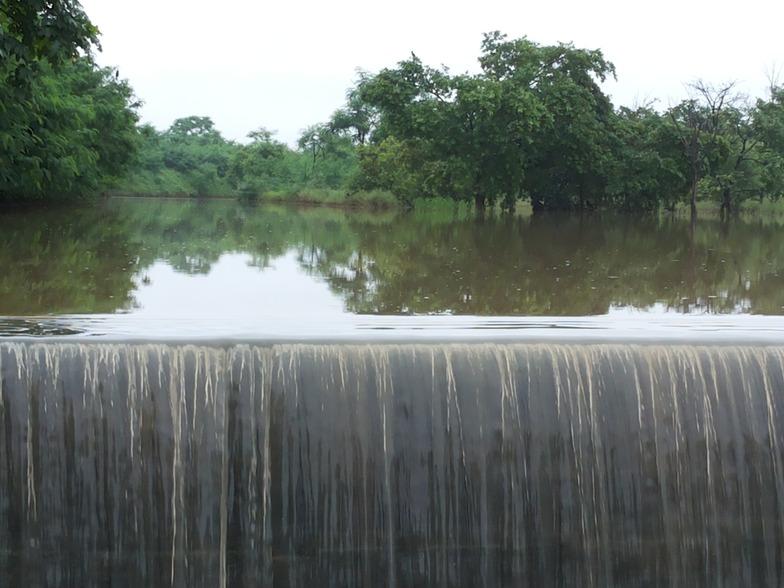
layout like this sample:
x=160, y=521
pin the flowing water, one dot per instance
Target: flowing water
x=398, y=465
x=201, y=394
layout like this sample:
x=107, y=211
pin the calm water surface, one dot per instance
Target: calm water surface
x=151, y=268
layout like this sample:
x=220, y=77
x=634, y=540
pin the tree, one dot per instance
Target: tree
x=534, y=121
x=648, y=168
x=404, y=168
x=715, y=129
x=450, y=124
x=768, y=126
x=258, y=166
x=331, y=155
x=194, y=147
x=31, y=31
x=67, y=127
x=74, y=136
x=195, y=130
x=570, y=144
x=357, y=119
x=690, y=122
x=313, y=142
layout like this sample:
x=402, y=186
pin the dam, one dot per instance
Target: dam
x=472, y=463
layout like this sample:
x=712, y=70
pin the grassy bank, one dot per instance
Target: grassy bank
x=751, y=208
x=173, y=185
x=374, y=200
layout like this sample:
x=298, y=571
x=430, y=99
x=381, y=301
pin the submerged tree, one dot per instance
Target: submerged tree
x=768, y=125
x=648, y=168
x=722, y=144
x=569, y=148
x=533, y=123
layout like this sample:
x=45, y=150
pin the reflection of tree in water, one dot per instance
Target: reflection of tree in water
x=560, y=265
x=499, y=265
x=355, y=282
x=191, y=236
x=91, y=260
x=65, y=261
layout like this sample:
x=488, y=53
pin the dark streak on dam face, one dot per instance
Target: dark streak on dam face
x=381, y=465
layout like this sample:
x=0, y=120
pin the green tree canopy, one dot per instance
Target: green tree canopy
x=533, y=122
x=73, y=137
x=67, y=126
x=33, y=30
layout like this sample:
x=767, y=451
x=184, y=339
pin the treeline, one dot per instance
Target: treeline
x=533, y=125
x=192, y=158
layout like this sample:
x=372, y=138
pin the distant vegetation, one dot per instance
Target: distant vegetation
x=532, y=126
x=192, y=158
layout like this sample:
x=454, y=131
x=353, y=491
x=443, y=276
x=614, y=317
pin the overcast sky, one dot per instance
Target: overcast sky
x=286, y=65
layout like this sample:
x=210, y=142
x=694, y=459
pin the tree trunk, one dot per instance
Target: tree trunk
x=726, y=202
x=694, y=194
x=479, y=202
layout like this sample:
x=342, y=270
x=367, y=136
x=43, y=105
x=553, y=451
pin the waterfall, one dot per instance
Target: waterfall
x=456, y=464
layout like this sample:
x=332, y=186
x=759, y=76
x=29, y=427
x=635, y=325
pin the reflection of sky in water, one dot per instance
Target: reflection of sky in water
x=284, y=301
x=235, y=289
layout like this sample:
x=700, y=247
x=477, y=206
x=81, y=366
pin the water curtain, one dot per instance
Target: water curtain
x=474, y=464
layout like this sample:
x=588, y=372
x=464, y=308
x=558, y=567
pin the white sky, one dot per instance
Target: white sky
x=287, y=64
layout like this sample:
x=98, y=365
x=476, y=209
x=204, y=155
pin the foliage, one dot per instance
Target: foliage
x=33, y=31
x=533, y=122
x=67, y=127
x=264, y=164
x=75, y=134
x=564, y=165
x=768, y=126
x=330, y=154
x=724, y=140
x=192, y=158
x=649, y=169
x=356, y=120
